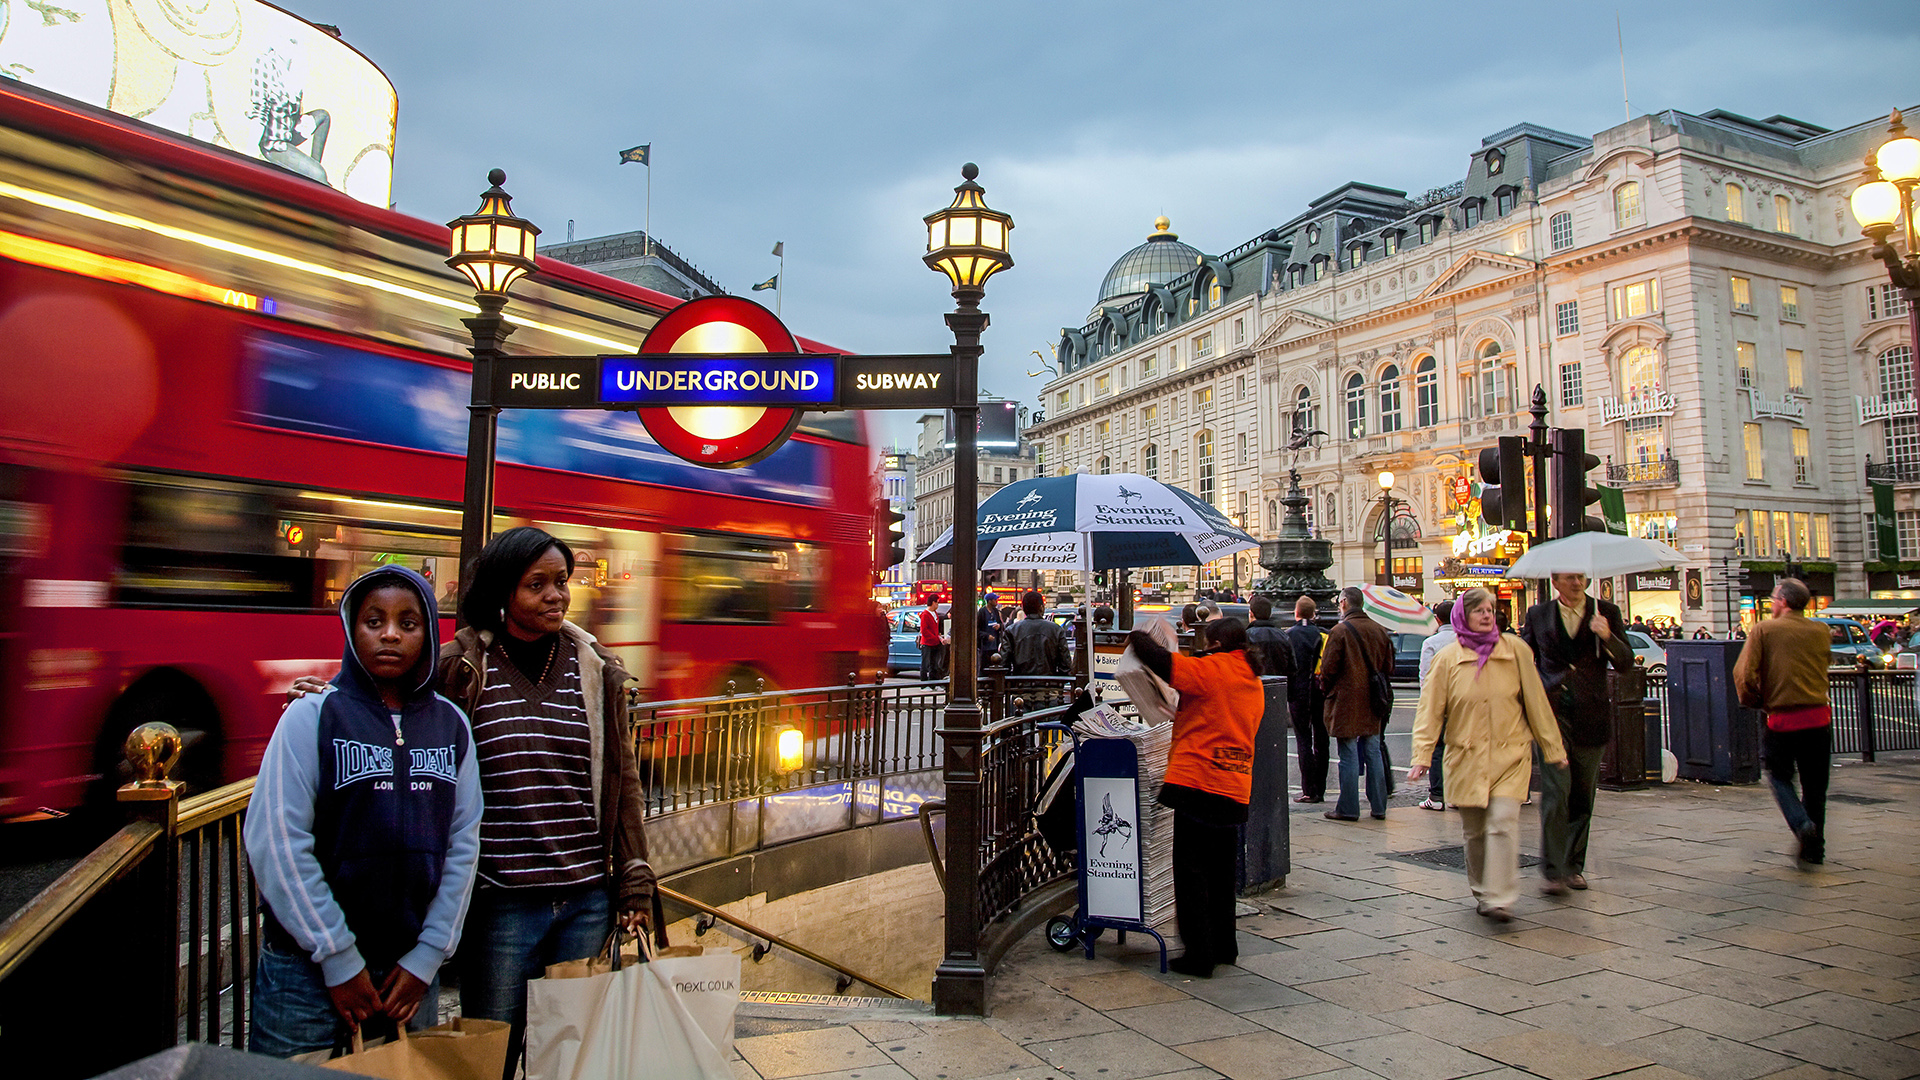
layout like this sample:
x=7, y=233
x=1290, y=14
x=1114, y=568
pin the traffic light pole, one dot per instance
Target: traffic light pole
x=1541, y=454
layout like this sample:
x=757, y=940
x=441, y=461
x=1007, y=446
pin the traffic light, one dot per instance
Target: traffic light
x=1503, y=484
x=896, y=536
x=1571, y=494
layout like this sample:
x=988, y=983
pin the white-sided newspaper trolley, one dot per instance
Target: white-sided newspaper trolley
x=1126, y=844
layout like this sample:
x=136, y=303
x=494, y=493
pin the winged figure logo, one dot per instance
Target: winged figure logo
x=1111, y=824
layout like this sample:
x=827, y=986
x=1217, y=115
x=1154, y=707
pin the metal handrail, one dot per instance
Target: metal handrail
x=30, y=927
x=204, y=809
x=776, y=940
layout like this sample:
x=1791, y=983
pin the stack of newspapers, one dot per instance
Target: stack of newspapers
x=1151, y=743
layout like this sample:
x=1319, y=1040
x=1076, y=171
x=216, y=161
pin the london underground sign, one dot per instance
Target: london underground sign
x=721, y=382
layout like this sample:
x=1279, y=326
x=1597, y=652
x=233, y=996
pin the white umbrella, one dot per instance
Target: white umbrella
x=1095, y=551
x=1595, y=554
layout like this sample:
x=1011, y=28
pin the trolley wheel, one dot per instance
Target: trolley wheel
x=1063, y=933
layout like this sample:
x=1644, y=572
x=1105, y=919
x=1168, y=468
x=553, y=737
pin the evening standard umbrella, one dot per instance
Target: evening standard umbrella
x=1396, y=611
x=1111, y=521
x=1096, y=551
x=1595, y=554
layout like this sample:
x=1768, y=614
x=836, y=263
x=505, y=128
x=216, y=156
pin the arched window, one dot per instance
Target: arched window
x=1150, y=462
x=1489, y=387
x=1390, y=398
x=1736, y=203
x=1203, y=465
x=1560, y=231
x=1782, y=214
x=1426, y=392
x=1214, y=292
x=1640, y=377
x=1470, y=212
x=1356, y=406
x=1103, y=466
x=1896, y=385
x=1626, y=204
x=1304, y=418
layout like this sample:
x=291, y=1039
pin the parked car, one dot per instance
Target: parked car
x=903, y=641
x=1653, y=655
x=1406, y=655
x=1850, y=644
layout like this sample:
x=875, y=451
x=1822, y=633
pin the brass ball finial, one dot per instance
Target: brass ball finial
x=153, y=750
x=1161, y=224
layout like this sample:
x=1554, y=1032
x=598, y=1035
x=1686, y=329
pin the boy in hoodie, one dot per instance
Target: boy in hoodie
x=364, y=832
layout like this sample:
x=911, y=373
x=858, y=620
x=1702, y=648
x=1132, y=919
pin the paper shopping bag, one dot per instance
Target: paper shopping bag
x=707, y=981
x=625, y=1023
x=463, y=1049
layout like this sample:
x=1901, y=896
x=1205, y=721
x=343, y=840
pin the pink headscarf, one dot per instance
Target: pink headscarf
x=1481, y=643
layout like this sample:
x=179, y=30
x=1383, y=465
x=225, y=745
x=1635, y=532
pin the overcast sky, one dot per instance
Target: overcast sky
x=835, y=127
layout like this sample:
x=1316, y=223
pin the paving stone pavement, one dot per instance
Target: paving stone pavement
x=1701, y=951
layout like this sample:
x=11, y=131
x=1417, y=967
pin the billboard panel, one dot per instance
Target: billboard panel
x=999, y=425
x=239, y=74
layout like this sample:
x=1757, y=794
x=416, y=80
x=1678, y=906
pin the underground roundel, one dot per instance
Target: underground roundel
x=719, y=436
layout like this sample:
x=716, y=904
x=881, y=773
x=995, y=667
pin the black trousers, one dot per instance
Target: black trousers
x=1810, y=752
x=1310, y=745
x=1204, y=858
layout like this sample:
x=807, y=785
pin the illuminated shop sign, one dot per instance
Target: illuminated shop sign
x=238, y=74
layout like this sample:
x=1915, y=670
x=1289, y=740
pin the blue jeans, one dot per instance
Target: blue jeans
x=294, y=1014
x=512, y=935
x=1351, y=753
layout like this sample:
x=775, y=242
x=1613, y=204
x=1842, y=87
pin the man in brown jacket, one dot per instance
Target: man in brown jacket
x=1356, y=648
x=1783, y=669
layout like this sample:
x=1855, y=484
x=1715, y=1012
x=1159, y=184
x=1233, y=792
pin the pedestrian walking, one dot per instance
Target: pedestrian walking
x=363, y=834
x=987, y=634
x=1574, y=637
x=933, y=647
x=1356, y=659
x=1208, y=784
x=1486, y=699
x=1783, y=669
x=1306, y=702
x=1036, y=644
x=1436, y=777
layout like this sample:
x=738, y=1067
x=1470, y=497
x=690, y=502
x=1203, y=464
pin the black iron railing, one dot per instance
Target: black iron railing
x=1899, y=472
x=1014, y=859
x=1872, y=710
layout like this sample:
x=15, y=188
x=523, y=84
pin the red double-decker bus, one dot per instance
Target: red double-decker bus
x=227, y=391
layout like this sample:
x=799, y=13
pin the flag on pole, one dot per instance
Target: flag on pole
x=780, y=249
x=638, y=153
x=771, y=283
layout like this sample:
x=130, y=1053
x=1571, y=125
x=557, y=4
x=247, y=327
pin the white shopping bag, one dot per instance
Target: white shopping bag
x=707, y=981
x=618, y=1024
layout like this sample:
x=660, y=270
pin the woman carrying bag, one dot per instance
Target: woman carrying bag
x=1485, y=694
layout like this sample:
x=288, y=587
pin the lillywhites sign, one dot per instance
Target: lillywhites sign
x=1760, y=406
x=1661, y=581
x=1651, y=403
x=1872, y=409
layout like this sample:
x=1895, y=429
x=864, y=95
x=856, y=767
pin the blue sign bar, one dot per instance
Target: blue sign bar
x=664, y=379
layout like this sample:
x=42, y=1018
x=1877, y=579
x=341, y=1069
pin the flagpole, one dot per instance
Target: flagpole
x=780, y=290
x=649, y=201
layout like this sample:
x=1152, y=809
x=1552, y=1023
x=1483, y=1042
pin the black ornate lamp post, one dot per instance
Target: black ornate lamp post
x=1886, y=200
x=1385, y=576
x=493, y=249
x=967, y=242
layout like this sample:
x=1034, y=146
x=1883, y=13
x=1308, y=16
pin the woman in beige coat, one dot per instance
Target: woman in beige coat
x=1485, y=694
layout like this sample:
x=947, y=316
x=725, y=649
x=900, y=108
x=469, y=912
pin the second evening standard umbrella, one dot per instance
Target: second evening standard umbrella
x=1595, y=554
x=1395, y=610
x=1096, y=551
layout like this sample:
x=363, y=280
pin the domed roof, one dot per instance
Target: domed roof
x=1161, y=259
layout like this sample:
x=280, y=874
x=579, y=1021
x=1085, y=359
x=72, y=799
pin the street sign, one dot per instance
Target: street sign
x=897, y=382
x=546, y=382
x=648, y=381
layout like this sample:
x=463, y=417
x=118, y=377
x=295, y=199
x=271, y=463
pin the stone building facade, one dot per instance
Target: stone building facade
x=1690, y=290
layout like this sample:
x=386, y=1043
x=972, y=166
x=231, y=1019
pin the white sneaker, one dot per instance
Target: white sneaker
x=1431, y=804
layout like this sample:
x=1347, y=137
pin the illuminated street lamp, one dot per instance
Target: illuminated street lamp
x=493, y=249
x=967, y=242
x=1385, y=575
x=1885, y=201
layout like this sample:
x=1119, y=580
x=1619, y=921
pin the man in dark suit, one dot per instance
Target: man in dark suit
x=1574, y=637
x=1306, y=706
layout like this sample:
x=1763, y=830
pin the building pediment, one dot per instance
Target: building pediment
x=1475, y=269
x=1295, y=323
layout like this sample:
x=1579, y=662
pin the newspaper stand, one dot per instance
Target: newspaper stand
x=1112, y=868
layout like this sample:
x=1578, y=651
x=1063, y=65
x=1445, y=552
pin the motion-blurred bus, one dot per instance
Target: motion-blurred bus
x=227, y=390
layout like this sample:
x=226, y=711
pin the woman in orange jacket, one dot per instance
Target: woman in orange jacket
x=1208, y=783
